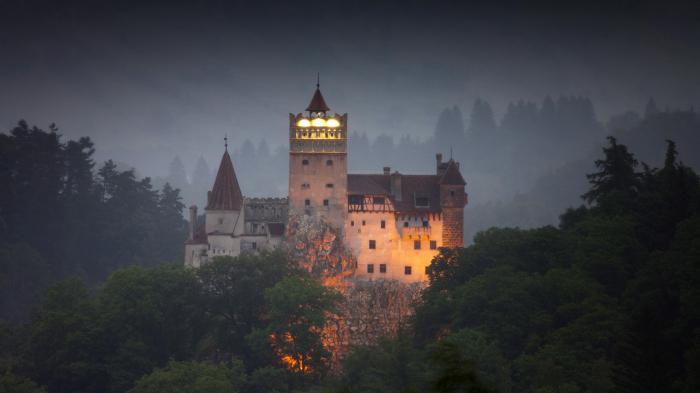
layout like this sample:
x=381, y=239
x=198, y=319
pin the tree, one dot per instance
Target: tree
x=616, y=181
x=10, y=383
x=233, y=295
x=193, y=377
x=296, y=315
x=149, y=316
x=454, y=372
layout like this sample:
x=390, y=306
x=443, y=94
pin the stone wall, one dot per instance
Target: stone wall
x=371, y=310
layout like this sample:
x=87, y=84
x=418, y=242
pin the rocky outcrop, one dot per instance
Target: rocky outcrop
x=371, y=310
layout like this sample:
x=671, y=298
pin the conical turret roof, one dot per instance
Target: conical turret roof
x=317, y=104
x=226, y=194
x=452, y=175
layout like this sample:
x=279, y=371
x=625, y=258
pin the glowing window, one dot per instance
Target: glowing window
x=332, y=123
x=318, y=122
x=303, y=123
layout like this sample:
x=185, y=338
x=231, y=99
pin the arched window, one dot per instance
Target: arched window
x=329, y=162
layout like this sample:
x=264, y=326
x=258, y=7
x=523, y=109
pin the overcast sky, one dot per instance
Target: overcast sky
x=147, y=82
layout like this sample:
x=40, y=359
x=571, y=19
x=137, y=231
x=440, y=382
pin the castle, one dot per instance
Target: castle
x=391, y=222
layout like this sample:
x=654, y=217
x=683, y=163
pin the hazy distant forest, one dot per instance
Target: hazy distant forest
x=599, y=295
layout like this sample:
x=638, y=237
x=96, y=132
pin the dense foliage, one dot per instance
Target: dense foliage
x=606, y=302
x=168, y=328
x=59, y=217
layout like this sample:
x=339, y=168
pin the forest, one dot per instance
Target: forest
x=606, y=301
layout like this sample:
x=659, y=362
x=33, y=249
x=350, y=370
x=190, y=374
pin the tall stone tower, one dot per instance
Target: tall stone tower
x=452, y=202
x=318, y=162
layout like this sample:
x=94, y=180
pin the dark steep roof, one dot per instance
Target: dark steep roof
x=226, y=194
x=452, y=175
x=317, y=104
x=412, y=186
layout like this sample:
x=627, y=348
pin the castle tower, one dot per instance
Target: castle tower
x=452, y=202
x=224, y=212
x=318, y=162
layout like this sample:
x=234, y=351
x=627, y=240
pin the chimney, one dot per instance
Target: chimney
x=438, y=159
x=387, y=170
x=396, y=185
x=193, y=220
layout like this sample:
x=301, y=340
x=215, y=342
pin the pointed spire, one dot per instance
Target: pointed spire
x=318, y=104
x=226, y=194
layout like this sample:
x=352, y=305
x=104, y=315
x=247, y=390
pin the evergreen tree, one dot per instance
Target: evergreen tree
x=616, y=177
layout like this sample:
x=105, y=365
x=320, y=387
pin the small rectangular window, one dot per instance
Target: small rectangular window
x=433, y=245
x=254, y=245
x=405, y=224
x=383, y=224
x=329, y=185
x=378, y=200
x=452, y=193
x=370, y=268
x=363, y=223
x=407, y=270
x=372, y=244
x=325, y=202
x=307, y=202
x=416, y=244
x=422, y=202
x=304, y=162
x=425, y=224
x=382, y=268
x=352, y=223
x=427, y=270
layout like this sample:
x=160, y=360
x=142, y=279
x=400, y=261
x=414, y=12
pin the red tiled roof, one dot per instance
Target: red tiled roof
x=226, y=194
x=412, y=186
x=452, y=175
x=276, y=228
x=317, y=104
